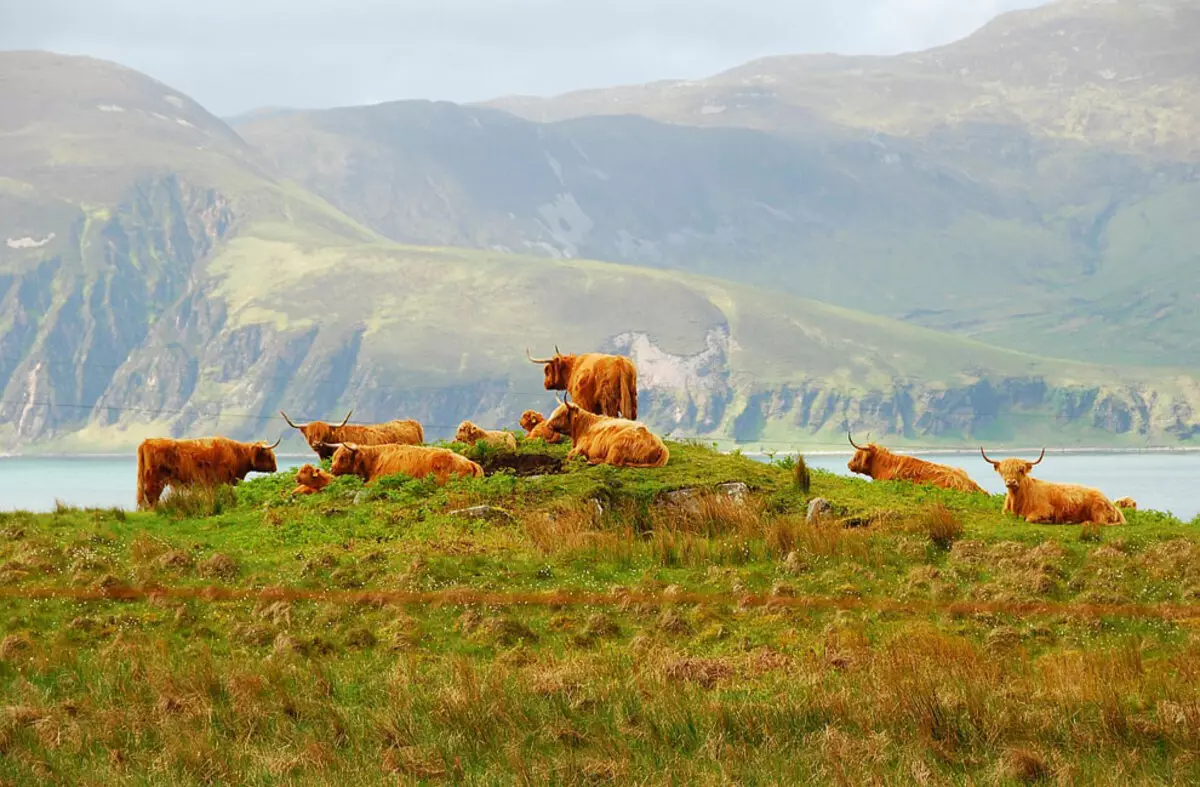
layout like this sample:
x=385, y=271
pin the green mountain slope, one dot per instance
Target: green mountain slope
x=158, y=278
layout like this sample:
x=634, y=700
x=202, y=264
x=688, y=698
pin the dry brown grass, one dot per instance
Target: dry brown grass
x=943, y=526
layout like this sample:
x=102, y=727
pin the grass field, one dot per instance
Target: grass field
x=592, y=627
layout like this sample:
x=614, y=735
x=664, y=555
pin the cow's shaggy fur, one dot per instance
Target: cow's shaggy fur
x=310, y=480
x=604, y=440
x=1042, y=502
x=208, y=461
x=534, y=424
x=319, y=434
x=372, y=462
x=471, y=434
x=598, y=383
x=882, y=465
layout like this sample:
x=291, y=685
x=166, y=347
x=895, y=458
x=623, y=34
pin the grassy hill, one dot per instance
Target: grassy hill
x=603, y=627
x=160, y=277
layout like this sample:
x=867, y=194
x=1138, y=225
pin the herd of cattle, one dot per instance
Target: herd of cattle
x=602, y=425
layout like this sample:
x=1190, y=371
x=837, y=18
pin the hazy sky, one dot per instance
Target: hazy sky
x=235, y=55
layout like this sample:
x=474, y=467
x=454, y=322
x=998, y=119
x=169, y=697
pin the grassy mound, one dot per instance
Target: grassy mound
x=596, y=625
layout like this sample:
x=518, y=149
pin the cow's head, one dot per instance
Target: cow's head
x=262, y=456
x=468, y=433
x=560, y=420
x=530, y=419
x=345, y=458
x=863, y=454
x=319, y=433
x=1013, y=471
x=558, y=369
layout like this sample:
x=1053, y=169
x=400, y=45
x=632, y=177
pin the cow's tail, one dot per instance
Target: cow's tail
x=141, y=476
x=629, y=396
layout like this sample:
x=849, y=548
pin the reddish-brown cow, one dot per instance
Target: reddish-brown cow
x=319, y=433
x=209, y=461
x=1041, y=502
x=604, y=440
x=882, y=465
x=471, y=434
x=534, y=424
x=372, y=462
x=599, y=383
x=311, y=479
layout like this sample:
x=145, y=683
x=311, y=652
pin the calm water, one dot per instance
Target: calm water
x=1167, y=482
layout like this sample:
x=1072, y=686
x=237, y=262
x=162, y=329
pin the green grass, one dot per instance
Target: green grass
x=725, y=639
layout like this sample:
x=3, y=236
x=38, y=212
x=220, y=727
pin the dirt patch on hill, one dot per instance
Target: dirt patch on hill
x=521, y=464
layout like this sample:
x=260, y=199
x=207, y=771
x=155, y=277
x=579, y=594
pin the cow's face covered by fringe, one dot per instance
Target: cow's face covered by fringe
x=1013, y=471
x=311, y=476
x=345, y=460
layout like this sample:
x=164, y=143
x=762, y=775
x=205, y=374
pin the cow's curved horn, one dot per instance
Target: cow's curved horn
x=850, y=436
x=1040, y=458
x=345, y=420
x=992, y=462
x=275, y=445
x=556, y=352
x=289, y=421
x=536, y=360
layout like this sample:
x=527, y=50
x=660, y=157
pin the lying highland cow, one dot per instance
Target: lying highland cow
x=372, y=462
x=882, y=465
x=534, y=424
x=471, y=434
x=1041, y=502
x=604, y=440
x=310, y=480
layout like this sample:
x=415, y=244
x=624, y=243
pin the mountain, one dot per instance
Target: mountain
x=1038, y=167
x=164, y=273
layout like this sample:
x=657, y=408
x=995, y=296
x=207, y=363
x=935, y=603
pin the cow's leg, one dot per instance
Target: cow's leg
x=153, y=491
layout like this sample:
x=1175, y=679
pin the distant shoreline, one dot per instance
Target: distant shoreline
x=1005, y=451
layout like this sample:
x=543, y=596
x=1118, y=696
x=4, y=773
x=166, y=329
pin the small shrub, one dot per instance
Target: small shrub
x=942, y=524
x=1091, y=531
x=196, y=502
x=801, y=479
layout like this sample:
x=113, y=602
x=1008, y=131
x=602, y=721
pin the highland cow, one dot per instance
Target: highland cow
x=471, y=434
x=209, y=461
x=882, y=465
x=372, y=462
x=599, y=383
x=605, y=440
x=320, y=433
x=1042, y=502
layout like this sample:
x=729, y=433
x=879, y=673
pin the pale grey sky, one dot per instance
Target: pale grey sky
x=236, y=55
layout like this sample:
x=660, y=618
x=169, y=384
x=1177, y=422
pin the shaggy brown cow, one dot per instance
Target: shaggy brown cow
x=310, y=480
x=1041, y=502
x=604, y=440
x=599, y=383
x=471, y=434
x=372, y=462
x=319, y=433
x=1126, y=502
x=882, y=465
x=534, y=424
x=209, y=461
